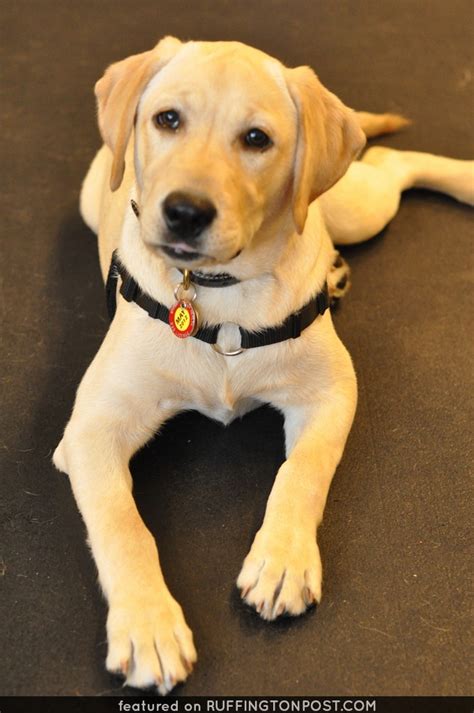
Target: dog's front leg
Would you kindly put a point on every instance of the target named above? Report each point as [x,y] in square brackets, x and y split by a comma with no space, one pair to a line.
[282,573]
[148,638]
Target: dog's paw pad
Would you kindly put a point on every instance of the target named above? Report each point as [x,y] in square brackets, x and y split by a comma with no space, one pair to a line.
[339,278]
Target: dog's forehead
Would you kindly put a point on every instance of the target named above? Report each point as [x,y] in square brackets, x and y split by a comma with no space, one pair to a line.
[225,67]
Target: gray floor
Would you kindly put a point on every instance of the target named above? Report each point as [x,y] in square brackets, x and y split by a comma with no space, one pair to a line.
[394,618]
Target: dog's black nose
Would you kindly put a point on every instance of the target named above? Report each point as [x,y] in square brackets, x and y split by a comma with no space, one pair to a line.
[187,215]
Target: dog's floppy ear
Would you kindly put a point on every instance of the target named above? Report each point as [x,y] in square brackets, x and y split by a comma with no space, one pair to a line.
[329,137]
[118,94]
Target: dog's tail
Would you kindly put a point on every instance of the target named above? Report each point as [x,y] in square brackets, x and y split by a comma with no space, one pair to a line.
[378,124]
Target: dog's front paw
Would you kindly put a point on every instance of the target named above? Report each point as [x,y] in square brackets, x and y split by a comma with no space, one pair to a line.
[282,573]
[149,641]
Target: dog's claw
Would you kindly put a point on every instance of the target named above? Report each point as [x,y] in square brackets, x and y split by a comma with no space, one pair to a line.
[308,597]
[187,665]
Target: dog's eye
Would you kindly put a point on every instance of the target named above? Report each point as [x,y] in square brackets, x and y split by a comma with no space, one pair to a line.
[257,139]
[167,119]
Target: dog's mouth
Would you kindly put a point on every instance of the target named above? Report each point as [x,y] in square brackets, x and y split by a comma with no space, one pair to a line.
[180,253]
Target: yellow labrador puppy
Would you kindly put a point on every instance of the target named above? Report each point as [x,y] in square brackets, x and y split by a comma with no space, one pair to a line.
[222,266]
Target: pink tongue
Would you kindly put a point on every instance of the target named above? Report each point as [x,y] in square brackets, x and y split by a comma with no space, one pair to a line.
[182,247]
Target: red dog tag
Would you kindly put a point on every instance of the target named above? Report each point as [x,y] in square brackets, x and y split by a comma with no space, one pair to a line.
[183,319]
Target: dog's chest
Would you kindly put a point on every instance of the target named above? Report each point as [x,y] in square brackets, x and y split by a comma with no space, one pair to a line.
[215,388]
[190,375]
[219,401]
[226,415]
[220,387]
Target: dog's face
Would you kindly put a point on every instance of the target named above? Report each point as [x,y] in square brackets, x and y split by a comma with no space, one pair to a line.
[228,143]
[216,132]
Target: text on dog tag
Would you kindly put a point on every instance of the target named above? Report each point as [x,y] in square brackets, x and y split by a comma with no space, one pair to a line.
[183,319]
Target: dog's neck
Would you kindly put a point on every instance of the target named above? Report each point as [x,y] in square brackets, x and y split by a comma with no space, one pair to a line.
[284,272]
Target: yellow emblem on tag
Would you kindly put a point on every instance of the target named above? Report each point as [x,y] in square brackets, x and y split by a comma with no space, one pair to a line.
[182,319]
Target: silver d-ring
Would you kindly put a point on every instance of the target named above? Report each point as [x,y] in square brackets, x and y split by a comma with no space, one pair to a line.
[236,352]
[177,295]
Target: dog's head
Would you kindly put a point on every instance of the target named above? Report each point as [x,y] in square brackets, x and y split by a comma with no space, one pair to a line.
[228,142]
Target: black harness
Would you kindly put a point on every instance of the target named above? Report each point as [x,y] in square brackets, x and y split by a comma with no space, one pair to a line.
[291,328]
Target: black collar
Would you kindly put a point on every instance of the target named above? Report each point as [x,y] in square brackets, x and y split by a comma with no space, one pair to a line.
[291,328]
[221,279]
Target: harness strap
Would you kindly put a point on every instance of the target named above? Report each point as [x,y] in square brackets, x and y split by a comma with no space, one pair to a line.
[291,328]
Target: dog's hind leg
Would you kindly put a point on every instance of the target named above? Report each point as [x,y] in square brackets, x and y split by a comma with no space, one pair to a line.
[366,199]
